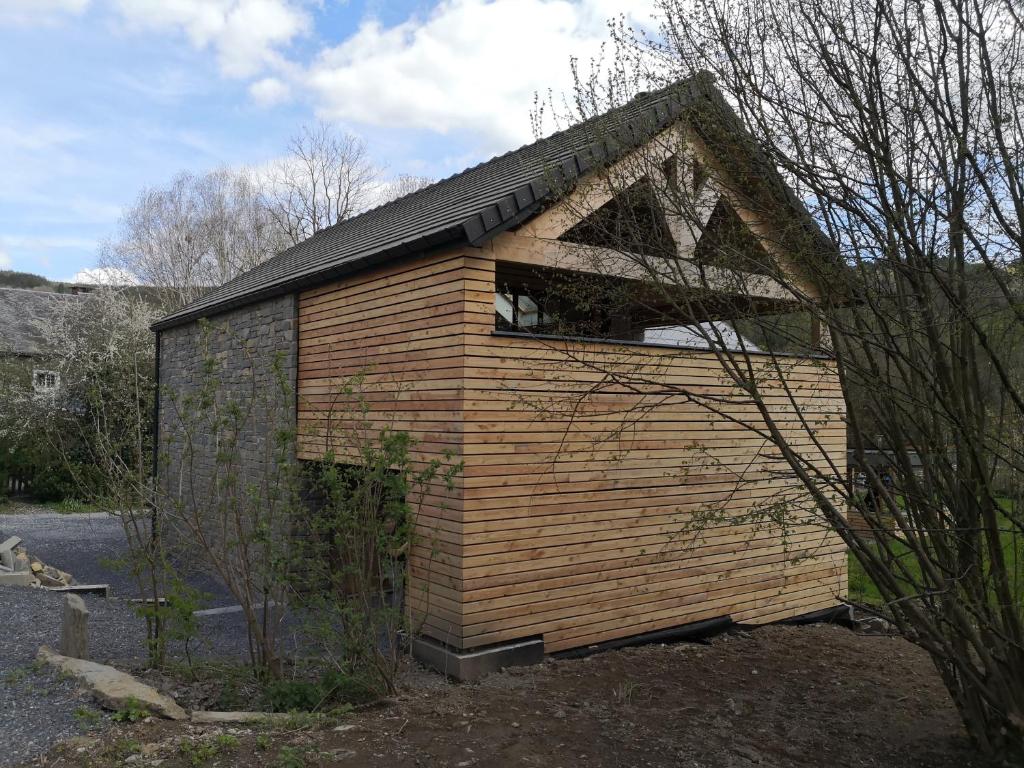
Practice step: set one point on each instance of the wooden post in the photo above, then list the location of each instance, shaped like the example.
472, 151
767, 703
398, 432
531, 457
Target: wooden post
74, 635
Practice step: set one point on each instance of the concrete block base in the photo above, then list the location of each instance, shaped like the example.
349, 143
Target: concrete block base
466, 666
17, 579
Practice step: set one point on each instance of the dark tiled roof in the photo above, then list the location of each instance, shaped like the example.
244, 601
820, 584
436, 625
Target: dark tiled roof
23, 312
470, 207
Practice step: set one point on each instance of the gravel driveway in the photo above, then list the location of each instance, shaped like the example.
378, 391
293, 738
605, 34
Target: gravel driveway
37, 709
86, 545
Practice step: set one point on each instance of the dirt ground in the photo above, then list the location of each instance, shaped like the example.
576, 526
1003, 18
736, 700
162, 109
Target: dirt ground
775, 696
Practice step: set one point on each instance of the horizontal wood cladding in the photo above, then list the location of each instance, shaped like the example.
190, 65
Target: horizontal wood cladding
615, 489
400, 329
607, 490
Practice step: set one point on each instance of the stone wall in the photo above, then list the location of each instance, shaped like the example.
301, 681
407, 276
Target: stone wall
233, 355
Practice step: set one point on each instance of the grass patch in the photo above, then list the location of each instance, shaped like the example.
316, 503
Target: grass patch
863, 590
74, 507
202, 751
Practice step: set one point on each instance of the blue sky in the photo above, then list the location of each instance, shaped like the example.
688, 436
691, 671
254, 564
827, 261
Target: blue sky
102, 98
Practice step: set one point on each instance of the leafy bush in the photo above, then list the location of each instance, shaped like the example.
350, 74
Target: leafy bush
353, 541
49, 477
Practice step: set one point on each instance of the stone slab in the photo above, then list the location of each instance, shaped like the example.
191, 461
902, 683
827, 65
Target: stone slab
466, 666
7, 551
225, 609
112, 688
237, 718
17, 579
10, 543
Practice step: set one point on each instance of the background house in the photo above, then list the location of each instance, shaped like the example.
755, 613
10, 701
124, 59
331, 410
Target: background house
27, 362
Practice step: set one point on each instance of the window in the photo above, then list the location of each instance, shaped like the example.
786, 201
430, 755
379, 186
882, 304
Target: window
516, 311
45, 381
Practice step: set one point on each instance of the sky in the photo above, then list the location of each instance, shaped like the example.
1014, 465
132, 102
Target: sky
102, 98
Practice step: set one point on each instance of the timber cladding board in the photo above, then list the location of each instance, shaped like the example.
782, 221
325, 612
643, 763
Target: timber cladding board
586, 510
372, 326
590, 543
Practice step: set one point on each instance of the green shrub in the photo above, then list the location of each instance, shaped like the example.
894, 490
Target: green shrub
334, 688
50, 477
293, 695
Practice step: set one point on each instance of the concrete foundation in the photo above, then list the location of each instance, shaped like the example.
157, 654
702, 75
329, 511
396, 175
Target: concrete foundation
466, 666
839, 614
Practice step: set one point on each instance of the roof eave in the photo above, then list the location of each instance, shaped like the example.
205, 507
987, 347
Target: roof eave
419, 247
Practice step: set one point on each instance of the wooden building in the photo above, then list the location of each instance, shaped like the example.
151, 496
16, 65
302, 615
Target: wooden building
581, 514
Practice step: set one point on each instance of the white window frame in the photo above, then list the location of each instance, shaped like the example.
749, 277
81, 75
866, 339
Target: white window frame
44, 381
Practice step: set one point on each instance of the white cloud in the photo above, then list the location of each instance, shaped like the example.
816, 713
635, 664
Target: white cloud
471, 64
48, 243
247, 35
103, 276
269, 92
31, 12
5, 260
35, 137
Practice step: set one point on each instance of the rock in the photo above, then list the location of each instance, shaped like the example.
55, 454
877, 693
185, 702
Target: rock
74, 631
874, 625
748, 753
339, 754
112, 688
48, 577
81, 743
218, 718
53, 573
36, 567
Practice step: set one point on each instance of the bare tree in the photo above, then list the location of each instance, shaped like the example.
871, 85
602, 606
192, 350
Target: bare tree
324, 179
197, 233
900, 126
400, 186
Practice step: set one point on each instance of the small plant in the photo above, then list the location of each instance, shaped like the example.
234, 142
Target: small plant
201, 751
226, 741
180, 623
263, 742
290, 757
131, 712
121, 749
87, 715
623, 692
16, 675
198, 752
